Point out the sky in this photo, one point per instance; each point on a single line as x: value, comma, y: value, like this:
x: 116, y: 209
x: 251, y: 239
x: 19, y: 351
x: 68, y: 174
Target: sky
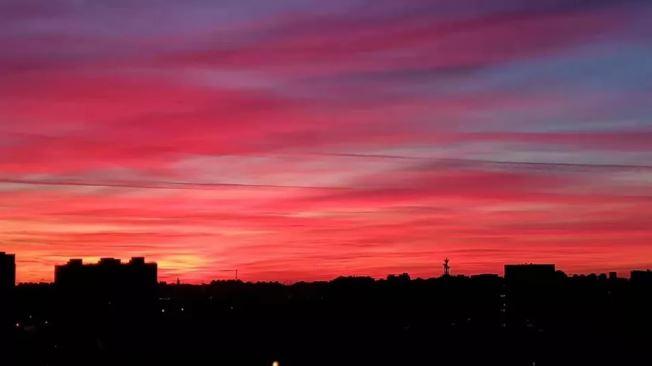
x: 303, y: 140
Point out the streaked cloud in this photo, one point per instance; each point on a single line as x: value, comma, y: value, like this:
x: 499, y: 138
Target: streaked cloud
x: 300, y: 140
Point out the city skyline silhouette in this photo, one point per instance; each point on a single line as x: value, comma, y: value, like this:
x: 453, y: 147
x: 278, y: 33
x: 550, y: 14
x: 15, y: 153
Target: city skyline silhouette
x: 117, y: 312
x: 9, y: 269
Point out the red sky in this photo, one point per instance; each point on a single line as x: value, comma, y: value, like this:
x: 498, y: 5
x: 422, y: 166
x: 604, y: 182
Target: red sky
x: 302, y: 140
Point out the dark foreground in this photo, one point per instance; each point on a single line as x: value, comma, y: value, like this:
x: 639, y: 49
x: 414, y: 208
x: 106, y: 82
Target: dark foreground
x: 585, y: 320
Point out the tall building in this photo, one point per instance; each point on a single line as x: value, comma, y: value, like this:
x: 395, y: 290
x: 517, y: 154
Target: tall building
x: 530, y: 274
x: 109, y: 275
x: 641, y: 277
x: 7, y: 271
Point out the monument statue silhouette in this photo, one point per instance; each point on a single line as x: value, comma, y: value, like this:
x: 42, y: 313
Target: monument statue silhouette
x: 447, y: 268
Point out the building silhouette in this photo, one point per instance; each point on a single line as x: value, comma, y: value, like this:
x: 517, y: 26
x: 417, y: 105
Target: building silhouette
x: 641, y: 277
x: 7, y: 271
x: 530, y: 274
x: 107, y: 306
x: 109, y: 281
x: 7, y: 307
x: 108, y: 274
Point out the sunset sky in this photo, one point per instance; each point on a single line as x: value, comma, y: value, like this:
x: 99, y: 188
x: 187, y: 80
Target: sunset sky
x: 302, y: 140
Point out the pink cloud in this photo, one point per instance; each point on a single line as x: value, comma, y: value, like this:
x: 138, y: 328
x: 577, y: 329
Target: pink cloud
x: 266, y: 139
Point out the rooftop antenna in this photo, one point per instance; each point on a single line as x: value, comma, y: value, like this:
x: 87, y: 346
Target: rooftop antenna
x: 235, y: 271
x: 447, y: 268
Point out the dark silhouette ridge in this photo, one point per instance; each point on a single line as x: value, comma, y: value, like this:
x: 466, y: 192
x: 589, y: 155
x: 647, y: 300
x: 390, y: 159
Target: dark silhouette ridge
x: 114, y: 313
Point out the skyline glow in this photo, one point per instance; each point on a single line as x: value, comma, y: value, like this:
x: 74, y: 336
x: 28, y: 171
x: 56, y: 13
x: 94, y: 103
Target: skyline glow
x: 302, y: 140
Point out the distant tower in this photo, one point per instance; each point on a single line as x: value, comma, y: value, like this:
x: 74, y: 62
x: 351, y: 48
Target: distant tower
x: 447, y: 268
